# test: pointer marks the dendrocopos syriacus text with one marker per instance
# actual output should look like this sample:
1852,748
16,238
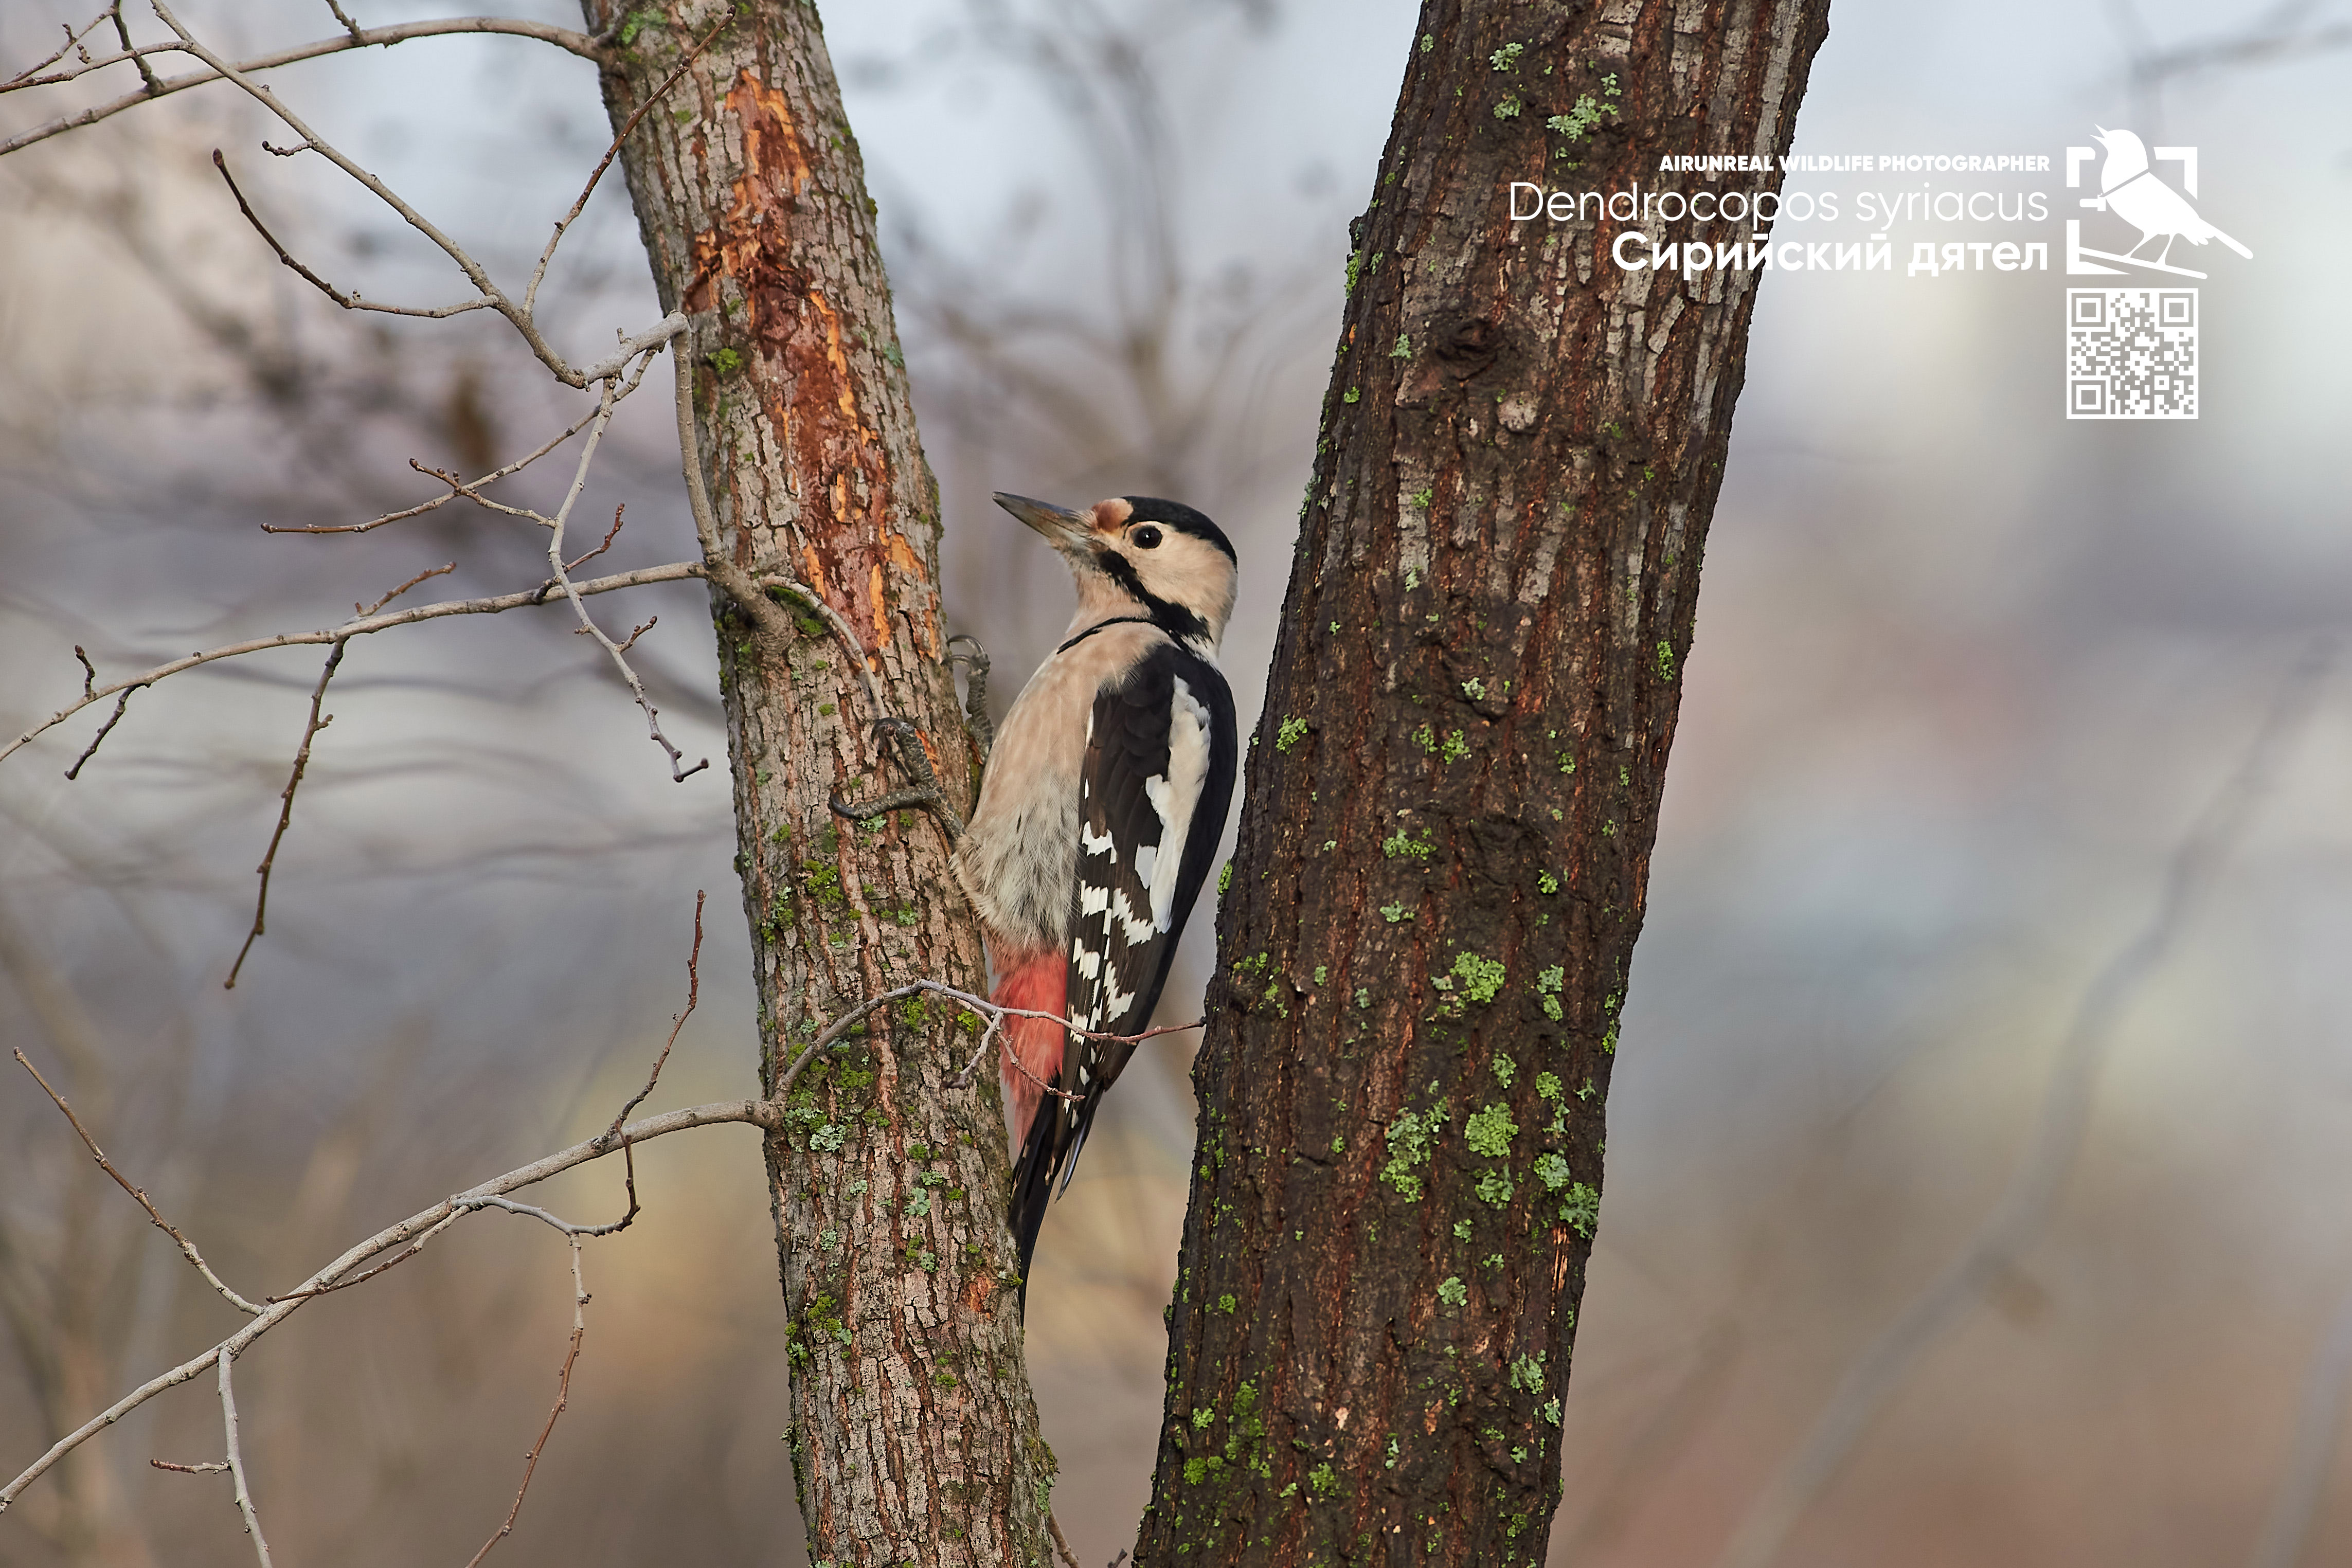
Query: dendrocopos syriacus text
1099,815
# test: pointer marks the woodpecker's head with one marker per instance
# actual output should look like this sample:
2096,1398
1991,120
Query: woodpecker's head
1139,555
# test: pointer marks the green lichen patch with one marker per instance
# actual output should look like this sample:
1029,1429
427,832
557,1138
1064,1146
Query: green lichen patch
1412,1137
1481,978
1401,842
1548,984
1489,1131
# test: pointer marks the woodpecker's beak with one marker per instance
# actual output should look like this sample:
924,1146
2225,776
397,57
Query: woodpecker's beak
1068,531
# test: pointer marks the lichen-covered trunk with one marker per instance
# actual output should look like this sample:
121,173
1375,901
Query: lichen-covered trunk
913,1436
1451,796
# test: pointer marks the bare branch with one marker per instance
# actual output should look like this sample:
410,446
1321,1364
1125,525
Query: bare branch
449,494
286,809
544,1217
693,995
517,315
344,17
103,730
367,610
352,301
416,1229
676,571
717,564
236,1460
187,1247
72,45
610,535
562,1397
203,1469
562,37
147,77
411,1233
539,273
587,621
1061,1543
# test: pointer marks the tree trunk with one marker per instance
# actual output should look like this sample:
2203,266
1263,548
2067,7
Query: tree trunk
1412,1022
913,1434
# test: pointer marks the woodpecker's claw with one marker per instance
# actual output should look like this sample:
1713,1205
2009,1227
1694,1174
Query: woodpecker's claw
975,692
924,792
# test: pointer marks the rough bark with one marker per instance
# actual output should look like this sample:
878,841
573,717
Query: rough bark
1451,797
914,1436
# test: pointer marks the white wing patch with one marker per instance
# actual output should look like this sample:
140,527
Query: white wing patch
1138,930
1174,798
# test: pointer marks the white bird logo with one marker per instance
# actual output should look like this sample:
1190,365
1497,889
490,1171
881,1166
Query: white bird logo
2132,191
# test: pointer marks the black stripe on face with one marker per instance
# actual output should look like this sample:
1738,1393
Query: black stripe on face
1183,518
1173,619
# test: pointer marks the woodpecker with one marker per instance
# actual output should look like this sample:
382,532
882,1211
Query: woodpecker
1100,814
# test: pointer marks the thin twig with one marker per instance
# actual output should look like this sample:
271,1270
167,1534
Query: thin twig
88,670
676,571
286,809
417,1227
476,273
349,25
414,1247
618,655
352,301
147,77
72,43
236,1460
406,1237
562,1395
562,37
187,1247
203,1470
1061,1543
104,730
2056,1138
717,564
693,995
610,535
539,273
364,610
451,494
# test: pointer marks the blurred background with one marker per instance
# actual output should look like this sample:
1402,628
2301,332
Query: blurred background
1966,678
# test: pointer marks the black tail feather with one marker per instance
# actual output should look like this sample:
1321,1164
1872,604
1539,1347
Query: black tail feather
1033,1189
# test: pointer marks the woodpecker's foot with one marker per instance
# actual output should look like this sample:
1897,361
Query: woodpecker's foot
924,791
975,692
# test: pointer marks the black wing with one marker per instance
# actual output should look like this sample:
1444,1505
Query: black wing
1153,793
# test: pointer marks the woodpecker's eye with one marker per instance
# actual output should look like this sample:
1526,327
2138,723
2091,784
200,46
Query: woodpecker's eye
1146,538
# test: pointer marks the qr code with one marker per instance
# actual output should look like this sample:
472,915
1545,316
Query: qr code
2131,353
